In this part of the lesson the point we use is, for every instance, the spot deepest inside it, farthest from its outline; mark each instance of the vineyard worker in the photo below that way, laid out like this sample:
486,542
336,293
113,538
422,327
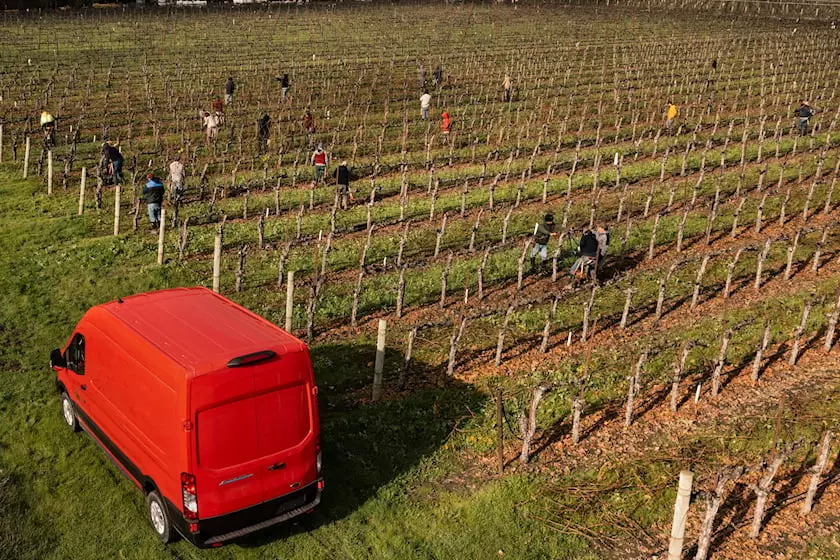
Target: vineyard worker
284,85
176,177
217,106
48,126
153,195
445,126
587,255
319,160
47,119
263,132
425,103
438,76
542,233
308,127
342,179
805,113
603,237
670,116
211,126
507,85
114,160
229,89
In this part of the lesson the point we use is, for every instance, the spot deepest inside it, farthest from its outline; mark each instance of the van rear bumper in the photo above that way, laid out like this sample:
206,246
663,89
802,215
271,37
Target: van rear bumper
214,530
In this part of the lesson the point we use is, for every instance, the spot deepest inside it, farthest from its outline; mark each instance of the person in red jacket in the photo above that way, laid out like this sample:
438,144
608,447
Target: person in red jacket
319,160
445,126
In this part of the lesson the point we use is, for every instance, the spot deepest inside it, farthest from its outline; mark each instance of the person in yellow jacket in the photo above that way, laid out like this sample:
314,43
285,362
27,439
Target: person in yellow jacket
670,116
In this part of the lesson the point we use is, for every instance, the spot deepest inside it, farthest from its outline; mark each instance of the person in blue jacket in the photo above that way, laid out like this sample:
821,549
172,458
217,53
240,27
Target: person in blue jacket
153,195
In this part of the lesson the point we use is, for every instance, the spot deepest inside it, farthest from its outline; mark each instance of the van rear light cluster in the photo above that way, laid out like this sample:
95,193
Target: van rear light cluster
318,459
189,495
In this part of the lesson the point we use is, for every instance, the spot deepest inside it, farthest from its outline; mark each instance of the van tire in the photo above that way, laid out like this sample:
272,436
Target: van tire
68,412
158,517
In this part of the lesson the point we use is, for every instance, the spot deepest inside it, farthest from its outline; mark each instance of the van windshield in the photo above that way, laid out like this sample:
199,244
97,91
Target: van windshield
253,427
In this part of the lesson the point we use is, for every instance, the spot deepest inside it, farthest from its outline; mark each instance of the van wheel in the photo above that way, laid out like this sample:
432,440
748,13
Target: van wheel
68,411
158,517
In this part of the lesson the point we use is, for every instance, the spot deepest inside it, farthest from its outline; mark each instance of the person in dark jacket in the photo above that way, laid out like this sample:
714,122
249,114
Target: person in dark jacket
263,132
588,251
438,76
113,159
229,89
153,195
342,179
284,85
542,233
805,113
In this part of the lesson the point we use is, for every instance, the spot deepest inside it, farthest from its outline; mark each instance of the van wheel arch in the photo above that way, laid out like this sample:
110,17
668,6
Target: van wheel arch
68,412
149,485
158,517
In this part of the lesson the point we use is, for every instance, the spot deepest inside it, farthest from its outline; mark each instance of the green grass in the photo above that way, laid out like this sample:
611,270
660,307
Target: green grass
392,488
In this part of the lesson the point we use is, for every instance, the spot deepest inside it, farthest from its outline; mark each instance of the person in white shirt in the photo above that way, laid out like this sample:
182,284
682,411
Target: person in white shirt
425,103
211,126
176,177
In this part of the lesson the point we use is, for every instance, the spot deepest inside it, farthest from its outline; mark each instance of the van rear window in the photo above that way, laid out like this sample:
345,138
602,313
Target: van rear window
283,418
227,435
253,427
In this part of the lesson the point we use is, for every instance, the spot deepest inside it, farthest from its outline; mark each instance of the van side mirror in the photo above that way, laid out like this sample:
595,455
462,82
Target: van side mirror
57,360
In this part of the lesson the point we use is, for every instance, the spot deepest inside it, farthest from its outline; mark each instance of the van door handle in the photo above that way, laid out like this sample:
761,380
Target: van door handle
277,466
83,387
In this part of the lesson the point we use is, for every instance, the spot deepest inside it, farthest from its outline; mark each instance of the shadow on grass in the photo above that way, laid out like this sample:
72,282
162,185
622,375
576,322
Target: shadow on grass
367,444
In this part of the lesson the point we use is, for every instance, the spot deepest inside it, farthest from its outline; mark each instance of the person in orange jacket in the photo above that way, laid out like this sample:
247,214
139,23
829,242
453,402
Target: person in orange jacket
670,116
445,126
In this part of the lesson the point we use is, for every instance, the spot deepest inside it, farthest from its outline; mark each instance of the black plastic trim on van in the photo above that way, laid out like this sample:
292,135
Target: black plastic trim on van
111,447
239,523
253,358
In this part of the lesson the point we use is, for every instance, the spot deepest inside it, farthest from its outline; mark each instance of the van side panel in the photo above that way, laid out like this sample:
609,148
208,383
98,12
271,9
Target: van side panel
141,410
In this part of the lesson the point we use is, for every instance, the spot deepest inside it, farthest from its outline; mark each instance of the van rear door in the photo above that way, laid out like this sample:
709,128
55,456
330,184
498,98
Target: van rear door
227,462
259,442
286,430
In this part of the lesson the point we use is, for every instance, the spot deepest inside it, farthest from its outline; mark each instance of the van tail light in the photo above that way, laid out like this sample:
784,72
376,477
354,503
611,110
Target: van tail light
318,459
189,495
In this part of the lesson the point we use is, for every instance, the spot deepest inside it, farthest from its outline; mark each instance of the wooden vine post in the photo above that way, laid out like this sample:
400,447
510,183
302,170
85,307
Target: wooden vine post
161,236
217,260
290,300
675,545
379,363
82,192
117,211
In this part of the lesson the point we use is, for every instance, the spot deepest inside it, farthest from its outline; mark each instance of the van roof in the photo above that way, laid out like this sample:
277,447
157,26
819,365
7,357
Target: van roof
198,328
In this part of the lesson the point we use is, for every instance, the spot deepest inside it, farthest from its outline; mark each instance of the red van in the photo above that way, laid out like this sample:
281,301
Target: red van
208,408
